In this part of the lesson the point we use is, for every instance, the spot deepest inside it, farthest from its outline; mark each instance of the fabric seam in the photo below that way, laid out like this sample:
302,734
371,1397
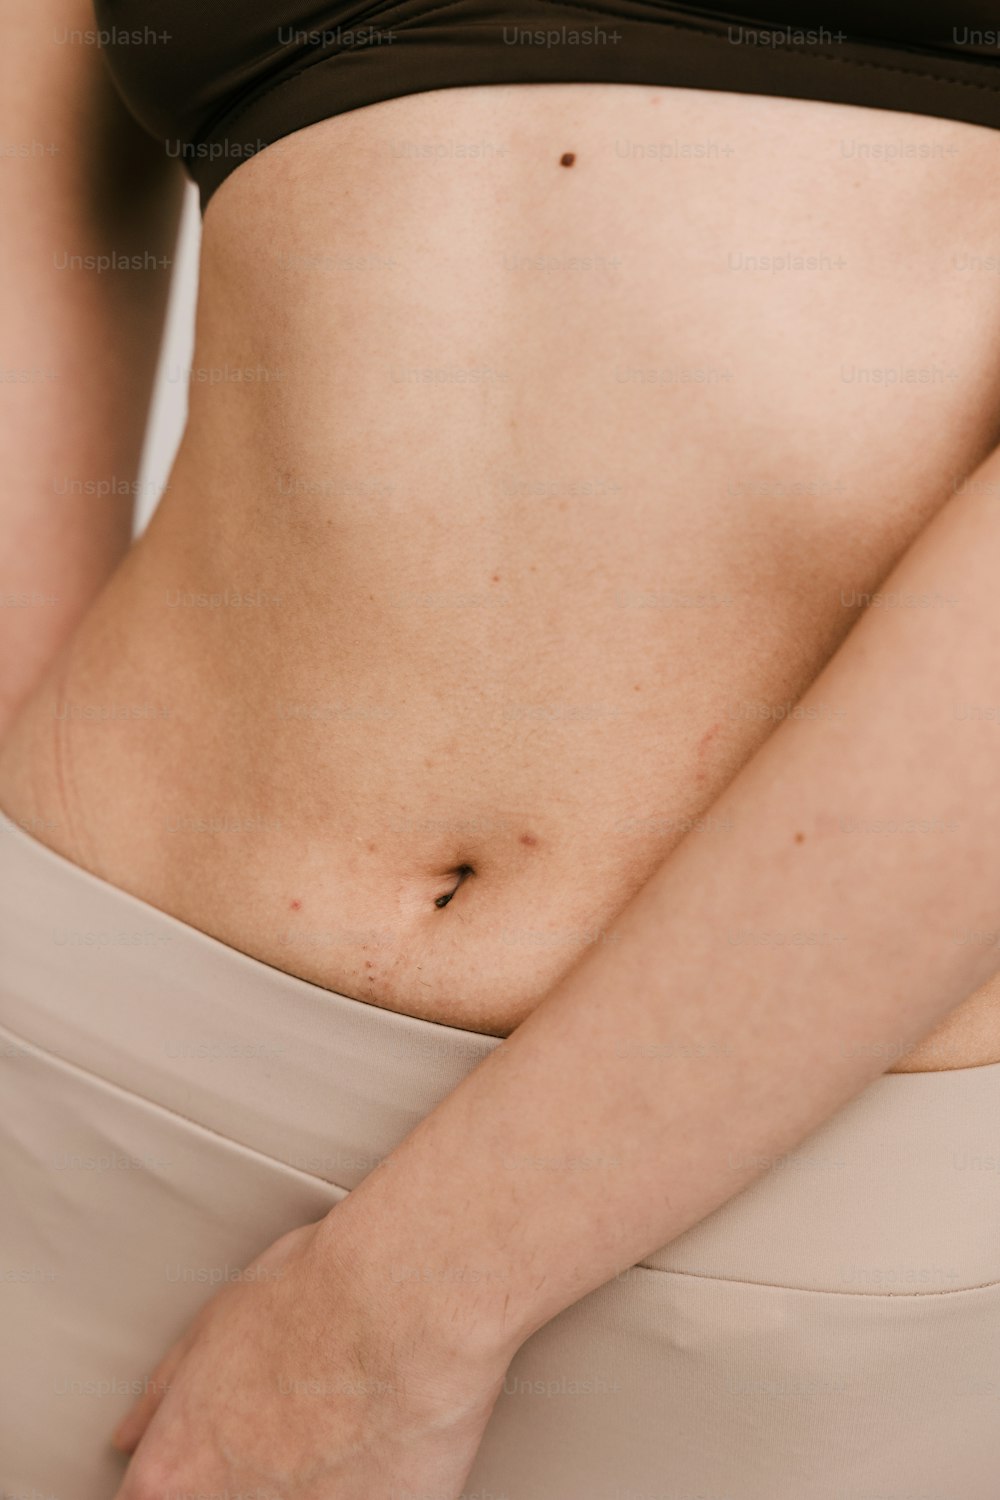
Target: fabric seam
704,31
93,1076
812,1291
858,62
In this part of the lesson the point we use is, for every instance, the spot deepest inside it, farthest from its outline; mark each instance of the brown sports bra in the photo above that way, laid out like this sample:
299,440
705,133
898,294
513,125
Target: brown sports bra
219,80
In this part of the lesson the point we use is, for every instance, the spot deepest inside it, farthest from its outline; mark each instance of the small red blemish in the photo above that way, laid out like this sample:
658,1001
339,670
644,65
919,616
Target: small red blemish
707,737
295,905
369,964
529,839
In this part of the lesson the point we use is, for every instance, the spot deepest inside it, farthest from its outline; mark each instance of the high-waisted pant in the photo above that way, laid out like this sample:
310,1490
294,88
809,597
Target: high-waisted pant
171,1106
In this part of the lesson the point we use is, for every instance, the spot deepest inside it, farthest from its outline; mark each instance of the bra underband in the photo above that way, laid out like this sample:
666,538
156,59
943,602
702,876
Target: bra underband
217,81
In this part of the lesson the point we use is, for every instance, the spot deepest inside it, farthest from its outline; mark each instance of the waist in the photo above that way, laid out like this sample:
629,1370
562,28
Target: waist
440,843
442,856
328,1086
412,682
437,813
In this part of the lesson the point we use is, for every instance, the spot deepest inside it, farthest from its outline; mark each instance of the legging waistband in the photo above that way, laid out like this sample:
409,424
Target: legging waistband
285,1067
329,1085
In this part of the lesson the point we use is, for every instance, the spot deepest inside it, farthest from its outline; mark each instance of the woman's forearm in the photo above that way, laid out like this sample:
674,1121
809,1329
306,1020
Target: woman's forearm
678,1058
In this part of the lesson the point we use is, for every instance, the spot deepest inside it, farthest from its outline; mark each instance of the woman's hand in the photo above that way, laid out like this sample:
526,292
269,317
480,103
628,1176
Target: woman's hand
299,1384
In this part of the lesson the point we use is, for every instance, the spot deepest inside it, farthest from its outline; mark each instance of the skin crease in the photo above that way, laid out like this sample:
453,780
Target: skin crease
473,760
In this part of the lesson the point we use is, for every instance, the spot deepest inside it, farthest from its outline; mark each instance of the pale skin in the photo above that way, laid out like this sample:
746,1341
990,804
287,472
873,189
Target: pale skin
815,1023
787,1044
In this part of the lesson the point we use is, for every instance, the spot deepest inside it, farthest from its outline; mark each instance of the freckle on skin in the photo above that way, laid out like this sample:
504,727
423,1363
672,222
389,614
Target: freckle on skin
567,159
496,577
800,838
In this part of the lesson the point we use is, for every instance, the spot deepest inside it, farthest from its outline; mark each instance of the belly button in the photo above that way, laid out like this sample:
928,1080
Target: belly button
463,872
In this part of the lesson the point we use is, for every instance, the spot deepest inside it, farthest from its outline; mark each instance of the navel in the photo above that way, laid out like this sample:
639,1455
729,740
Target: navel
463,872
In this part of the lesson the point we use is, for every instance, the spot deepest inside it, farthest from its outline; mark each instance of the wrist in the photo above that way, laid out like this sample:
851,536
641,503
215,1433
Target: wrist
441,1310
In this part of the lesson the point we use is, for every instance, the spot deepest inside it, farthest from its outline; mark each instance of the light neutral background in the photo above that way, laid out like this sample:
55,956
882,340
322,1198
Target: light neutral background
169,407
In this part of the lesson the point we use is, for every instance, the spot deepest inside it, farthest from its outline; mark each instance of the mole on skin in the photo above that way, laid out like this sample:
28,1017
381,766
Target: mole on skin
800,838
567,159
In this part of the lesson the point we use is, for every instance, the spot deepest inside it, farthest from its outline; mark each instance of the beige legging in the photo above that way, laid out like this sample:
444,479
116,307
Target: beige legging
171,1106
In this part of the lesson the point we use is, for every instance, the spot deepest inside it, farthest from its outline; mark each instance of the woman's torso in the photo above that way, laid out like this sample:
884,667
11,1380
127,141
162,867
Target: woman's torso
518,503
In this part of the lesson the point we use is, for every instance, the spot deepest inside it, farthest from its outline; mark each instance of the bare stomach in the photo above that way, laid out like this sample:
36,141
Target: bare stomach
519,502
